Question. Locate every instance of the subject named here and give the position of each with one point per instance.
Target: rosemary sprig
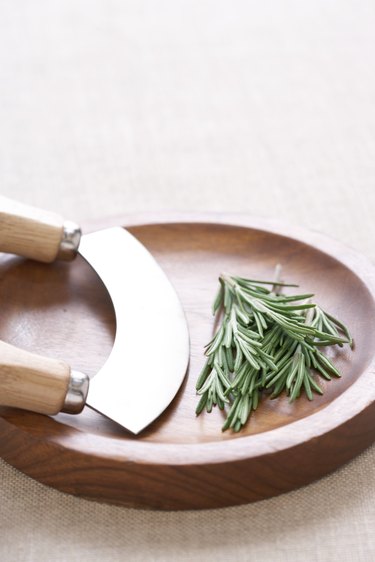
(267, 342)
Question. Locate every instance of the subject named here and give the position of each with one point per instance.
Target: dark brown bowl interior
(64, 311)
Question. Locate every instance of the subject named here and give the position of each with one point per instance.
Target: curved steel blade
(151, 350)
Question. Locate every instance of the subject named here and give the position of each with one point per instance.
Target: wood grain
(180, 461)
(33, 382)
(29, 231)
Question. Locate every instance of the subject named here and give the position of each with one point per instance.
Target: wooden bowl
(180, 461)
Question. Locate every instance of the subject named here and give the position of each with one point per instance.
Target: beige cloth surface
(110, 106)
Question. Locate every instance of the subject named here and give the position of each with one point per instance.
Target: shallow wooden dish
(180, 461)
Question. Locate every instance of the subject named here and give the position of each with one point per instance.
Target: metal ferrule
(69, 242)
(76, 395)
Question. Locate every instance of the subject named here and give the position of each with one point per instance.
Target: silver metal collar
(69, 242)
(76, 395)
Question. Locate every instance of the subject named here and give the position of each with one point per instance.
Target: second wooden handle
(32, 382)
(28, 231)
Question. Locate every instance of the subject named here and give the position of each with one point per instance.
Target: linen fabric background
(114, 106)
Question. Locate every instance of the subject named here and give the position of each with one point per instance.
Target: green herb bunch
(266, 343)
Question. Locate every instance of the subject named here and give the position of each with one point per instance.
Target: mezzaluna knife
(130, 394)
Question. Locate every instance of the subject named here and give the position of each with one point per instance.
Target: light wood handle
(32, 382)
(29, 232)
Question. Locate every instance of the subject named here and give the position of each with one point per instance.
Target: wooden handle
(32, 382)
(29, 232)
